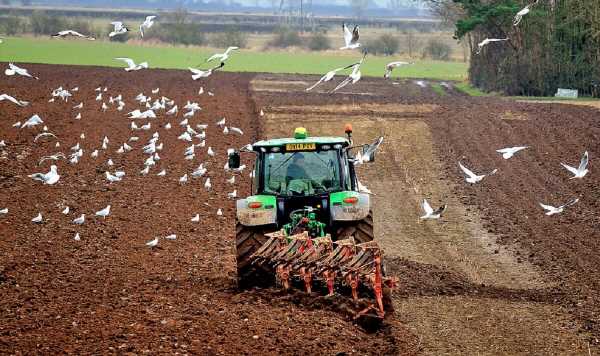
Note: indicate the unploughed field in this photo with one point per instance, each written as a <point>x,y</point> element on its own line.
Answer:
<point>102,53</point>
<point>493,276</point>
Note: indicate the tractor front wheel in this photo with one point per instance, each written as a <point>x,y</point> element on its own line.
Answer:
<point>248,239</point>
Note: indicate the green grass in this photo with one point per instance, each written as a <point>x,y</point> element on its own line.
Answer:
<point>466,88</point>
<point>553,98</point>
<point>437,88</point>
<point>100,53</point>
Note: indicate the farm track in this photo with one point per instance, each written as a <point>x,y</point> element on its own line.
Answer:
<point>494,276</point>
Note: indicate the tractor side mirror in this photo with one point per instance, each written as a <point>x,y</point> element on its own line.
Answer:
<point>234,160</point>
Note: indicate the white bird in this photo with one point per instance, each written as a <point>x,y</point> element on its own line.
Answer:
<point>131,66</point>
<point>49,178</point>
<point>185,137</point>
<point>13,69</point>
<point>221,122</point>
<point>104,212</point>
<point>225,130</point>
<point>77,237</point>
<point>262,113</point>
<point>327,77</point>
<point>524,11</point>
<point>162,173</point>
<point>580,171</point>
<point>119,174</point>
<point>54,157</point>
<point>148,22</point>
<point>207,184</point>
<point>80,106</point>
<point>152,243</point>
<point>104,107</point>
<point>231,180</point>
<point>78,117</point>
<point>219,212</point>
<point>210,151</point>
<point>430,213</point>
<point>20,103</point>
<point>510,151</point>
<point>112,178</point>
<point>200,171</point>
<point>38,219</point>
<point>196,218</point>
<point>485,42</point>
<point>350,38</point>
<point>183,179</point>
<point>4,211</point>
<point>80,220</point>
<point>472,177</point>
<point>44,134</point>
<point>222,56</point>
<point>174,110</point>
<point>232,195</point>
<point>33,121</point>
<point>171,237</point>
<point>119,29</point>
<point>550,210</point>
<point>94,154</point>
<point>110,162</point>
<point>240,169</point>
<point>66,210</point>
<point>354,76</point>
<point>393,65</point>
<point>198,73</point>
<point>16,124</point>
<point>146,170</point>
<point>65,33</point>
<point>99,97</point>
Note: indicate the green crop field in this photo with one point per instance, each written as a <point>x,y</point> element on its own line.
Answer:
<point>101,53</point>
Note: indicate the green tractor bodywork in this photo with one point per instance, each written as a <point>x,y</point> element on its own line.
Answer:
<point>321,197</point>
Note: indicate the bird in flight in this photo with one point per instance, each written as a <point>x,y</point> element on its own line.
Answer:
<point>131,66</point>
<point>510,151</point>
<point>550,210</point>
<point>487,41</point>
<point>119,29</point>
<point>430,213</point>
<point>66,33</point>
<point>580,171</point>
<point>393,65</point>
<point>222,56</point>
<point>148,22</point>
<point>350,38</point>
<point>472,177</point>
<point>197,73</point>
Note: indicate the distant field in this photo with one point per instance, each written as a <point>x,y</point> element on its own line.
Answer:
<point>101,53</point>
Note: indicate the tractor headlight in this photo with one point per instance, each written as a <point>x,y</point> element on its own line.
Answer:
<point>275,149</point>
<point>337,146</point>
<point>325,147</point>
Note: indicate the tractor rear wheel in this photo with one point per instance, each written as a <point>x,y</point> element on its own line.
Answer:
<point>362,230</point>
<point>248,239</point>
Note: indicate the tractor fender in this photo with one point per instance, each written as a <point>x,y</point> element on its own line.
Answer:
<point>342,211</point>
<point>266,214</point>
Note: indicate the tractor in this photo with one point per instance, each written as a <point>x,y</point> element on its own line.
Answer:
<point>307,223</point>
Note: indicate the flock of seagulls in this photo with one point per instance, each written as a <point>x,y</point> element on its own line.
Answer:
<point>507,153</point>
<point>149,110</point>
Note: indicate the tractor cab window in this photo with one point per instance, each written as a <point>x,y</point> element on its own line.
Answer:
<point>302,173</point>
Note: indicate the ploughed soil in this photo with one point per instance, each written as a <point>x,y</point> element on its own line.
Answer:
<point>110,292</point>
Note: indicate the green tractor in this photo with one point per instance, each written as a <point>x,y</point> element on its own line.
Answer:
<point>305,190</point>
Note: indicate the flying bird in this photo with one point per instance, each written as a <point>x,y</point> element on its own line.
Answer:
<point>524,11</point>
<point>54,157</point>
<point>148,22</point>
<point>327,77</point>
<point>222,56</point>
<point>510,151</point>
<point>550,210</point>
<point>487,41</point>
<point>131,66</point>
<point>65,33</point>
<point>393,65</point>
<point>33,121</point>
<point>580,171</point>
<point>20,103</point>
<point>119,29</point>
<point>353,77</point>
<point>49,178</point>
<point>197,73</point>
<point>472,177</point>
<point>13,69</point>
<point>430,213</point>
<point>350,38</point>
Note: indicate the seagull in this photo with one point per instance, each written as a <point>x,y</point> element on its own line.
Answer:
<point>485,42</point>
<point>131,66</point>
<point>49,178</point>
<point>54,157</point>
<point>38,219</point>
<point>391,66</point>
<point>225,131</point>
<point>580,171</point>
<point>219,212</point>
<point>210,152</point>
<point>104,212</point>
<point>65,211</point>
<point>162,173</point>
<point>232,195</point>
<point>148,22</point>
<point>44,134</point>
<point>196,218</point>
<point>183,179</point>
<point>77,238</point>
<point>207,184</point>
<point>472,177</point>
<point>550,210</point>
<point>523,12</point>
<point>221,122</point>
<point>33,121</point>
<point>231,180</point>
<point>80,220</point>
<point>65,33</point>
<point>13,69</point>
<point>174,110</point>
<point>222,56</point>
<point>145,171</point>
<point>197,73</point>
<point>510,151</point>
<point>327,77</point>
<point>171,237</point>
<point>4,211</point>
<point>430,213</point>
<point>350,38</point>
<point>111,178</point>
<point>152,243</point>
<point>119,29</point>
<point>353,77</point>
<point>20,103</point>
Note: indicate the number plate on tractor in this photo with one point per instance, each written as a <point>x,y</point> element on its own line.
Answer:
<point>300,147</point>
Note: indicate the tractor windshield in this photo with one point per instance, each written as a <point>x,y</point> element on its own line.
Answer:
<point>302,173</point>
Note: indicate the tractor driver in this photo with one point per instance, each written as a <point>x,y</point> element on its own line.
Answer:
<point>296,169</point>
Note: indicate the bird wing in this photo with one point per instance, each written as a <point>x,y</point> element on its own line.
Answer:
<point>573,170</point>
<point>129,61</point>
<point>570,202</point>
<point>426,207</point>
<point>342,84</point>
<point>373,147</point>
<point>440,210</point>
<point>214,56</point>
<point>584,161</point>
<point>150,18</point>
<point>467,171</point>
<point>118,25</point>
<point>317,83</point>
<point>355,35</point>
<point>347,35</point>
<point>547,207</point>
